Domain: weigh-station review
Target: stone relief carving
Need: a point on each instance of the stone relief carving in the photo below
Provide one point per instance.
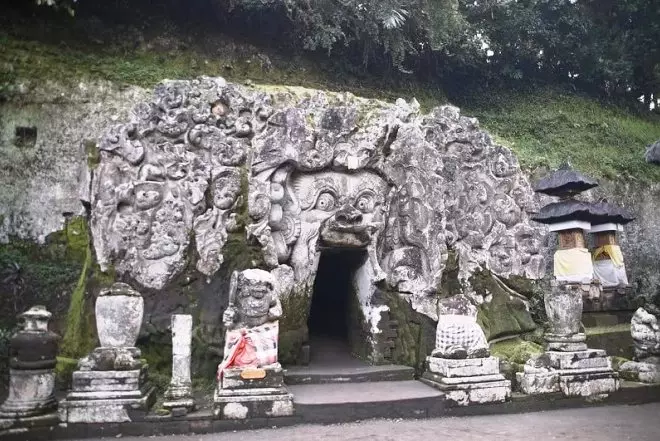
(321, 170)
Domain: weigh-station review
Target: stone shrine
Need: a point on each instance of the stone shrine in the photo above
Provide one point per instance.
(33, 350)
(568, 365)
(645, 330)
(113, 378)
(250, 379)
(461, 365)
(178, 397)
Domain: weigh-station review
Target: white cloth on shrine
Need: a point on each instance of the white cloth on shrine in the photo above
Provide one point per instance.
(609, 274)
(574, 265)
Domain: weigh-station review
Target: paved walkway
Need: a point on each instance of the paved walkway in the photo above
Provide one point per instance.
(608, 423)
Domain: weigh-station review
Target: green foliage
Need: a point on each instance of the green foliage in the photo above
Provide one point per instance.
(515, 350)
(548, 126)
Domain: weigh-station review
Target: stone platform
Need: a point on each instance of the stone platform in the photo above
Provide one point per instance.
(252, 393)
(106, 396)
(468, 381)
(586, 373)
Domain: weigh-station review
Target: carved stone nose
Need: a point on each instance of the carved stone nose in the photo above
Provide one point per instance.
(348, 215)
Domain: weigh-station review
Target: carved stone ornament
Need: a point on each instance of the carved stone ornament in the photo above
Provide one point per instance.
(320, 171)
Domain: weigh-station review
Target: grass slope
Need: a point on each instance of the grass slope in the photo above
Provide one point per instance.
(544, 127)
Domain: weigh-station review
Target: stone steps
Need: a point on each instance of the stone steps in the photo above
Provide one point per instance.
(332, 402)
(338, 374)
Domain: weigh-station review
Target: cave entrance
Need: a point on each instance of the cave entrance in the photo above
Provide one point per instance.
(334, 325)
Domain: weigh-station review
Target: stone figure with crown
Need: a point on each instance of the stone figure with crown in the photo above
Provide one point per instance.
(250, 378)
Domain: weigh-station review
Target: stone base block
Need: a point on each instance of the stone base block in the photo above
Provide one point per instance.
(20, 425)
(589, 384)
(572, 382)
(535, 383)
(179, 399)
(252, 403)
(106, 396)
(470, 367)
(97, 381)
(589, 359)
(640, 371)
(253, 378)
(30, 394)
(463, 391)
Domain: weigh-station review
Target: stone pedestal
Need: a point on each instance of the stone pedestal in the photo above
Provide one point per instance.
(178, 397)
(252, 393)
(106, 396)
(468, 381)
(576, 373)
(30, 401)
(568, 365)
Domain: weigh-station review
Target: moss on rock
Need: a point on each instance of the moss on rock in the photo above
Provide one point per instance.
(503, 313)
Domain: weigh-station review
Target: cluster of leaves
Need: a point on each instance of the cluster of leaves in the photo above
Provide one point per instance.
(600, 46)
(608, 46)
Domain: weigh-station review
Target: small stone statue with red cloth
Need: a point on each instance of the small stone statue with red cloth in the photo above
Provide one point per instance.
(250, 320)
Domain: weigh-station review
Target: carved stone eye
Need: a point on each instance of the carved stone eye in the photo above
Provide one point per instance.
(365, 204)
(325, 202)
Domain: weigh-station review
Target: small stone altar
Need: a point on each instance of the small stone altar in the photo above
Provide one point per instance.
(31, 401)
(113, 378)
(461, 365)
(645, 331)
(250, 379)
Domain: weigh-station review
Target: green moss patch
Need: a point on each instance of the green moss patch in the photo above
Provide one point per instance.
(515, 350)
(504, 314)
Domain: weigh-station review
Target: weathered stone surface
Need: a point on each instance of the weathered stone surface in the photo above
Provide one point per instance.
(591, 358)
(325, 171)
(589, 384)
(31, 393)
(465, 391)
(119, 312)
(652, 154)
(538, 382)
(105, 396)
(252, 403)
(179, 393)
(641, 371)
(463, 368)
(458, 335)
(271, 377)
(645, 331)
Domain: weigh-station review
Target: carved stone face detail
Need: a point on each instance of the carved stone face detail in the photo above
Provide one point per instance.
(349, 207)
(226, 187)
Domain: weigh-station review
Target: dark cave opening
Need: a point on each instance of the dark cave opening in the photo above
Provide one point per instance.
(333, 297)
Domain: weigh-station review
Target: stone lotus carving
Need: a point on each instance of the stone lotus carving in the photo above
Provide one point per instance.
(436, 182)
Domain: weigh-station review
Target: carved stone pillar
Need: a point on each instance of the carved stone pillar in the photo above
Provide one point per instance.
(179, 395)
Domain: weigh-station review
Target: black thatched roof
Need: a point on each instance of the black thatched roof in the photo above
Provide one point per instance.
(564, 181)
(598, 213)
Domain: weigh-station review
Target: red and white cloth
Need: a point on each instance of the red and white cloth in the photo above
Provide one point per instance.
(250, 347)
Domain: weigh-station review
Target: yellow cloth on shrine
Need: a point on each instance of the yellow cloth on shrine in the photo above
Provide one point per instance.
(613, 251)
(574, 265)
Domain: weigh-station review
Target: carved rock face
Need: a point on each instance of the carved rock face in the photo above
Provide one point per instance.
(322, 170)
(348, 206)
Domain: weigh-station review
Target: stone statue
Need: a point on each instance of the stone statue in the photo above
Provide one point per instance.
(251, 321)
(251, 300)
(645, 332)
(458, 334)
(249, 376)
